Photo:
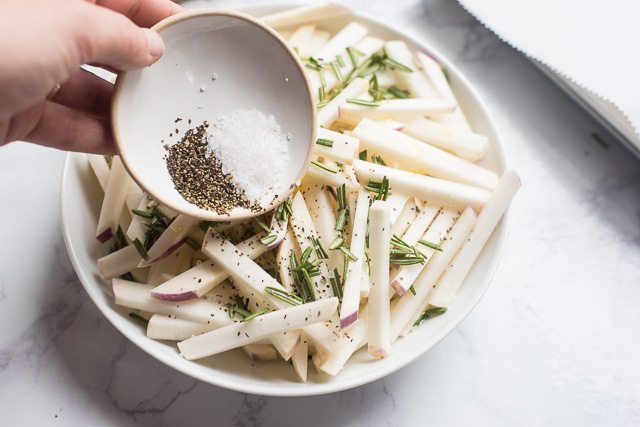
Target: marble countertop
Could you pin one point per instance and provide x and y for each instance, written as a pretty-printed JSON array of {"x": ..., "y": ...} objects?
[{"x": 553, "y": 342}]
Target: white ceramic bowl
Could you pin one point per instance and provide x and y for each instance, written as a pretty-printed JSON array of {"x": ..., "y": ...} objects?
[
  {"x": 253, "y": 67},
  {"x": 81, "y": 198}
]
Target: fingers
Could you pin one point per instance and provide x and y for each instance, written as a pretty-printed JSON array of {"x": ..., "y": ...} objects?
[
  {"x": 145, "y": 13},
  {"x": 86, "y": 92},
  {"x": 109, "y": 38},
  {"x": 66, "y": 129}
]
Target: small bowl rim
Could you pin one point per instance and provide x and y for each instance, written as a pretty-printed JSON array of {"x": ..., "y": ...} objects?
[{"x": 201, "y": 213}]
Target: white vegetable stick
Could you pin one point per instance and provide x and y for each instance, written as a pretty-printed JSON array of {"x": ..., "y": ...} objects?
[
  {"x": 302, "y": 36},
  {"x": 260, "y": 352},
  {"x": 277, "y": 228},
  {"x": 300, "y": 360},
  {"x": 365, "y": 285},
  {"x": 404, "y": 309},
  {"x": 304, "y": 230},
  {"x": 416, "y": 82},
  {"x": 403, "y": 110},
  {"x": 119, "y": 262},
  {"x": 407, "y": 274},
  {"x": 329, "y": 113},
  {"x": 318, "y": 201},
  {"x": 379, "y": 337},
  {"x": 316, "y": 175},
  {"x": 387, "y": 79},
  {"x": 451, "y": 281},
  {"x": 439, "y": 81},
  {"x": 287, "y": 246},
  {"x": 318, "y": 40},
  {"x": 164, "y": 327},
  {"x": 405, "y": 218},
  {"x": 113, "y": 202},
  {"x": 138, "y": 296},
  {"x": 367, "y": 46},
  {"x": 437, "y": 191},
  {"x": 140, "y": 274},
  {"x": 421, "y": 223},
  {"x": 134, "y": 196},
  {"x": 393, "y": 124},
  {"x": 466, "y": 145},
  {"x": 396, "y": 204},
  {"x": 170, "y": 239},
  {"x": 304, "y": 14},
  {"x": 137, "y": 228},
  {"x": 350, "y": 35},
  {"x": 333, "y": 362},
  {"x": 100, "y": 168},
  {"x": 415, "y": 156},
  {"x": 205, "y": 276},
  {"x": 247, "y": 274},
  {"x": 261, "y": 327},
  {"x": 343, "y": 150},
  {"x": 168, "y": 268},
  {"x": 353, "y": 278}
]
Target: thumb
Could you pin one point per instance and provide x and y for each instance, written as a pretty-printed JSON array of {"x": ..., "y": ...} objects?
[{"x": 111, "y": 39}]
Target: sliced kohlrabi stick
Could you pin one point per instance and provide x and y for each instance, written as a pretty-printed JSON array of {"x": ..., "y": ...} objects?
[
  {"x": 138, "y": 296},
  {"x": 301, "y": 37},
  {"x": 134, "y": 197},
  {"x": 304, "y": 231},
  {"x": 261, "y": 327},
  {"x": 169, "y": 267},
  {"x": 447, "y": 287},
  {"x": 248, "y": 275},
  {"x": 436, "y": 76},
  {"x": 415, "y": 82},
  {"x": 114, "y": 201},
  {"x": 407, "y": 274},
  {"x": 304, "y": 14},
  {"x": 415, "y": 156},
  {"x": 205, "y": 276},
  {"x": 119, "y": 262},
  {"x": 326, "y": 175},
  {"x": 300, "y": 360},
  {"x": 329, "y": 113},
  {"x": 405, "y": 218},
  {"x": 353, "y": 279},
  {"x": 100, "y": 169},
  {"x": 396, "y": 204},
  {"x": 333, "y": 362},
  {"x": 343, "y": 148},
  {"x": 260, "y": 352},
  {"x": 286, "y": 248},
  {"x": 324, "y": 220},
  {"x": 164, "y": 327},
  {"x": 379, "y": 337},
  {"x": 437, "y": 191},
  {"x": 348, "y": 36},
  {"x": 405, "y": 308},
  {"x": 137, "y": 228},
  {"x": 466, "y": 145},
  {"x": 402, "y": 110},
  {"x": 170, "y": 240}
]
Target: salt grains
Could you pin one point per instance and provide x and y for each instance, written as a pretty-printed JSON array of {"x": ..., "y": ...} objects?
[{"x": 253, "y": 149}]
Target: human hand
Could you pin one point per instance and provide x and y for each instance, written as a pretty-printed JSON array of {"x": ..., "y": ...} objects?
[{"x": 44, "y": 42}]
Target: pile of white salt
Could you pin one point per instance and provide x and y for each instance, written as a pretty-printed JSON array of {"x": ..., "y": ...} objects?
[{"x": 252, "y": 147}]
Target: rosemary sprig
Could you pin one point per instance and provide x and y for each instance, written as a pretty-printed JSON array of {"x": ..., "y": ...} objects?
[
  {"x": 431, "y": 245},
  {"x": 143, "y": 214},
  {"x": 324, "y": 142},
  {"x": 269, "y": 238},
  {"x": 320, "y": 252},
  {"x": 336, "y": 283},
  {"x": 341, "y": 222},
  {"x": 141, "y": 249},
  {"x": 340, "y": 61},
  {"x": 284, "y": 210},
  {"x": 283, "y": 295},
  {"x": 353, "y": 56},
  {"x": 363, "y": 155},
  {"x": 396, "y": 92},
  {"x": 378, "y": 160},
  {"x": 337, "y": 242},
  {"x": 323, "y": 167},
  {"x": 255, "y": 314},
  {"x": 321, "y": 96},
  {"x": 395, "y": 65},
  {"x": 348, "y": 253},
  {"x": 119, "y": 241},
  {"x": 342, "y": 196},
  {"x": 363, "y": 102},
  {"x": 429, "y": 313},
  {"x": 381, "y": 188}
]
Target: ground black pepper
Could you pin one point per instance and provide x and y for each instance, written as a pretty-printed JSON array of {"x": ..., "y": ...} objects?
[{"x": 198, "y": 175}]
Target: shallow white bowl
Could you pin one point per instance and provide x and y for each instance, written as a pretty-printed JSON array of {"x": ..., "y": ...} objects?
[
  {"x": 81, "y": 198},
  {"x": 253, "y": 67}
]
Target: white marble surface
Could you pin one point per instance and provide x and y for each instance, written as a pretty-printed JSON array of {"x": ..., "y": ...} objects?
[{"x": 554, "y": 342}]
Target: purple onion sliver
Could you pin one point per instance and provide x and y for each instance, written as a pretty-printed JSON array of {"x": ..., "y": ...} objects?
[{"x": 175, "y": 297}]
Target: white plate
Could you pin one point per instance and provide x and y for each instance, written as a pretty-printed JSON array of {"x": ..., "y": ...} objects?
[{"x": 81, "y": 199}]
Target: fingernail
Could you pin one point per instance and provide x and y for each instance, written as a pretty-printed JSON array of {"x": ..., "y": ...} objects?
[{"x": 155, "y": 42}]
